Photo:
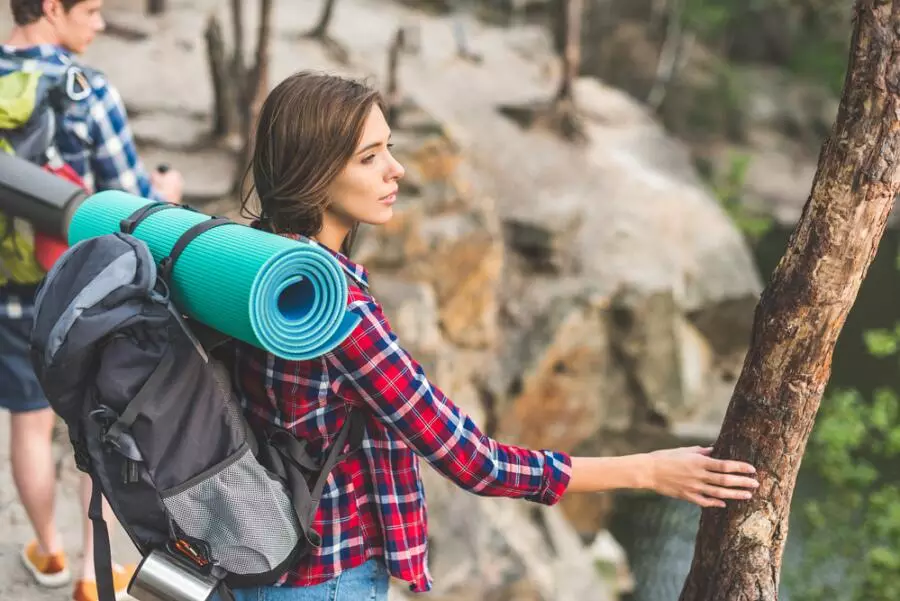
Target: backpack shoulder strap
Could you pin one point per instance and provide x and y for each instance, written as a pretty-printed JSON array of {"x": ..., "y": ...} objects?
[
  {"x": 102, "y": 550},
  {"x": 207, "y": 337},
  {"x": 291, "y": 460}
]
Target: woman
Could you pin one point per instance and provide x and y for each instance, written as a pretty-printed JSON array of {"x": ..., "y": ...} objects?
[{"x": 323, "y": 165}]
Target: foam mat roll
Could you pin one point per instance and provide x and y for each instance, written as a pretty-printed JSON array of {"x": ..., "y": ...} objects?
[{"x": 285, "y": 296}]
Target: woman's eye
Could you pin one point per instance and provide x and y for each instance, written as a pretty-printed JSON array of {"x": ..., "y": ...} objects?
[{"x": 368, "y": 159}]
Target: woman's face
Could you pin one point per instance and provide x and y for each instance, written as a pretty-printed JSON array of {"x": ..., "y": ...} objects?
[{"x": 365, "y": 191}]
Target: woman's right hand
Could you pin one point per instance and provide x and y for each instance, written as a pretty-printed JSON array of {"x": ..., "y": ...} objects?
[{"x": 689, "y": 473}]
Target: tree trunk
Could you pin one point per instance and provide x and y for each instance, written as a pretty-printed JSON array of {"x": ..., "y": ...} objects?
[
  {"x": 571, "y": 56},
  {"x": 669, "y": 54},
  {"x": 799, "y": 316},
  {"x": 225, "y": 115},
  {"x": 156, "y": 7},
  {"x": 321, "y": 28},
  {"x": 238, "y": 73},
  {"x": 392, "y": 92},
  {"x": 257, "y": 86},
  {"x": 558, "y": 24}
]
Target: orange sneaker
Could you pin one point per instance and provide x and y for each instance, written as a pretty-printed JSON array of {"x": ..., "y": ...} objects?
[
  {"x": 48, "y": 570},
  {"x": 86, "y": 590}
]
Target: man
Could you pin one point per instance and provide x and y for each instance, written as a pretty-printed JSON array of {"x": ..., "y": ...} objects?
[{"x": 95, "y": 141}]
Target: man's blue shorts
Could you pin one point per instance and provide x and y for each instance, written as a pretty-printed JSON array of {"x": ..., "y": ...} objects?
[{"x": 20, "y": 390}]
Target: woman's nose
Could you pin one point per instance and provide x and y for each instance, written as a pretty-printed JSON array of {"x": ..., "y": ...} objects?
[{"x": 397, "y": 171}]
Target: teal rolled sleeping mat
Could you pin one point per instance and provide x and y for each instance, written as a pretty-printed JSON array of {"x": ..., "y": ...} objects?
[{"x": 281, "y": 295}]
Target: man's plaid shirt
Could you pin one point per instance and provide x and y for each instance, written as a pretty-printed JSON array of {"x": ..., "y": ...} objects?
[
  {"x": 93, "y": 138},
  {"x": 374, "y": 502}
]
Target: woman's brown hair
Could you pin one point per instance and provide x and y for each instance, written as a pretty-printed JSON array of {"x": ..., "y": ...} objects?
[{"x": 308, "y": 129}]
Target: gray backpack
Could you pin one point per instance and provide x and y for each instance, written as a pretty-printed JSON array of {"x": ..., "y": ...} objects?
[{"x": 153, "y": 419}]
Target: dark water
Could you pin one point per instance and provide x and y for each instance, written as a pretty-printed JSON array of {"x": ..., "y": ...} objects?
[
  {"x": 876, "y": 306},
  {"x": 658, "y": 533}
]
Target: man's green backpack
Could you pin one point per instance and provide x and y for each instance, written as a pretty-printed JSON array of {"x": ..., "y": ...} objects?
[{"x": 31, "y": 104}]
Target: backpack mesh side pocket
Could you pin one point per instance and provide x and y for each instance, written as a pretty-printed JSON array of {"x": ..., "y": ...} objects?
[{"x": 244, "y": 515}]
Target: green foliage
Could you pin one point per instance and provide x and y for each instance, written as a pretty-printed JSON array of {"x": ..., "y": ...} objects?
[
  {"x": 728, "y": 188},
  {"x": 708, "y": 18},
  {"x": 711, "y": 106},
  {"x": 813, "y": 36},
  {"x": 852, "y": 551},
  {"x": 821, "y": 59},
  {"x": 821, "y": 50},
  {"x": 883, "y": 343}
]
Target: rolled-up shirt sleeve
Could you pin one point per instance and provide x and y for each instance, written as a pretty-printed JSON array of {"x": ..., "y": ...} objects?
[{"x": 372, "y": 369}]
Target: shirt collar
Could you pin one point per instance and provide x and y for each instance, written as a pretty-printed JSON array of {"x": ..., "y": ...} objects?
[
  {"x": 37, "y": 51},
  {"x": 357, "y": 272}
]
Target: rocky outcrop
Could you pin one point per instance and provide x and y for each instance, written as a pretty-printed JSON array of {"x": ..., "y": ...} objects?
[
  {"x": 605, "y": 297},
  {"x": 436, "y": 270},
  {"x": 622, "y": 312},
  {"x": 593, "y": 300},
  {"x": 557, "y": 346}
]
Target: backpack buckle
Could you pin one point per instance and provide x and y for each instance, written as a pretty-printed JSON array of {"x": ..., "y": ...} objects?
[
  {"x": 196, "y": 551},
  {"x": 103, "y": 416},
  {"x": 165, "y": 269}
]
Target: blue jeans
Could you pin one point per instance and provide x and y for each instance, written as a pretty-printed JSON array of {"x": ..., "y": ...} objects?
[{"x": 368, "y": 582}]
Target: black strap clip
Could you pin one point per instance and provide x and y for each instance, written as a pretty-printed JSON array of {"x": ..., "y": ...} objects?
[
  {"x": 130, "y": 223},
  {"x": 168, "y": 263}
]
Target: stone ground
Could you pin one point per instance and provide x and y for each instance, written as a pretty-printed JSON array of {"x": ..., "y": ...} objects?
[{"x": 15, "y": 583}]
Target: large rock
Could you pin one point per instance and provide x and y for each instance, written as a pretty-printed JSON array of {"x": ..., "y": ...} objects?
[
  {"x": 464, "y": 376},
  {"x": 564, "y": 393},
  {"x": 619, "y": 228},
  {"x": 465, "y": 274},
  {"x": 183, "y": 86},
  {"x": 447, "y": 239},
  {"x": 411, "y": 309},
  {"x": 609, "y": 365}
]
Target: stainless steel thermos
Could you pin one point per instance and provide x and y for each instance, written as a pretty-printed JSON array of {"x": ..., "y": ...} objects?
[{"x": 161, "y": 577}]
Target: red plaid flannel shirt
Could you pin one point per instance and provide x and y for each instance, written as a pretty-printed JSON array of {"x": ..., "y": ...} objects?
[{"x": 374, "y": 503}]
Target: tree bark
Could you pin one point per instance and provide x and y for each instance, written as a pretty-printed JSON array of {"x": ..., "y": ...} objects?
[
  {"x": 225, "y": 115},
  {"x": 237, "y": 59},
  {"x": 321, "y": 28},
  {"x": 800, "y": 315},
  {"x": 572, "y": 13},
  {"x": 669, "y": 54},
  {"x": 156, "y": 7},
  {"x": 558, "y": 25},
  {"x": 257, "y": 87},
  {"x": 392, "y": 92}
]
